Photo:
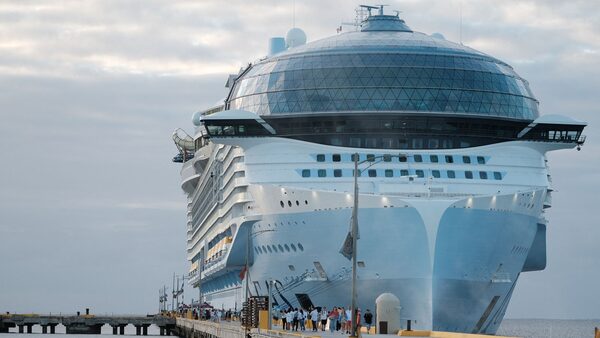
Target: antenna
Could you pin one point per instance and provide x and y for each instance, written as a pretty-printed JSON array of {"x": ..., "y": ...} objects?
[
  {"x": 460, "y": 25},
  {"x": 294, "y": 13},
  {"x": 369, "y": 8}
]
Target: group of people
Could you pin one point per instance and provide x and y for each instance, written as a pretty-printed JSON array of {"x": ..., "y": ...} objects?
[{"x": 339, "y": 319}]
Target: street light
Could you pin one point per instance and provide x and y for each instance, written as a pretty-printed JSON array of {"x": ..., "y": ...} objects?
[{"x": 354, "y": 232}]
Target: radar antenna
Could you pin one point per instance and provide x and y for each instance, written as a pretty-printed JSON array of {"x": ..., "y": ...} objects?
[
  {"x": 362, "y": 13},
  {"x": 369, "y": 8}
]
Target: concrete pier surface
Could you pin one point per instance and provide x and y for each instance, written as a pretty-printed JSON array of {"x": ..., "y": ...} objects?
[
  {"x": 85, "y": 324},
  {"x": 189, "y": 328}
]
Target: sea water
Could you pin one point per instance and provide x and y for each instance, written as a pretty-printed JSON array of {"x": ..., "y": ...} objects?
[{"x": 524, "y": 328}]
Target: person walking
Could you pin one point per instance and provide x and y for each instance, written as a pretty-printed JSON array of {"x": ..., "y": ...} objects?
[
  {"x": 368, "y": 320},
  {"x": 314, "y": 317},
  {"x": 333, "y": 318},
  {"x": 323, "y": 317},
  {"x": 302, "y": 319}
]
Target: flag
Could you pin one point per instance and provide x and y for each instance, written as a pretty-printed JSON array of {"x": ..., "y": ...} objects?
[
  {"x": 243, "y": 273},
  {"x": 347, "y": 248}
]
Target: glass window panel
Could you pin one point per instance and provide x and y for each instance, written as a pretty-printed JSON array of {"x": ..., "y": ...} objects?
[
  {"x": 322, "y": 173},
  {"x": 435, "y": 173},
  {"x": 389, "y": 173},
  {"x": 403, "y": 172},
  {"x": 306, "y": 173},
  {"x": 433, "y": 158},
  {"x": 483, "y": 175},
  {"x": 466, "y": 159},
  {"x": 480, "y": 160},
  {"x": 449, "y": 159},
  {"x": 451, "y": 174},
  {"x": 420, "y": 173},
  {"x": 418, "y": 158},
  {"x": 469, "y": 175},
  {"x": 337, "y": 173},
  {"x": 497, "y": 175},
  {"x": 372, "y": 173},
  {"x": 336, "y": 157},
  {"x": 320, "y": 157}
]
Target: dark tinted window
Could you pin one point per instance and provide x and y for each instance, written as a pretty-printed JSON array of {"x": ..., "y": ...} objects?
[
  {"x": 402, "y": 158},
  {"x": 433, "y": 158},
  {"x": 370, "y": 157},
  {"x": 337, "y": 172},
  {"x": 435, "y": 173},
  {"x": 387, "y": 158},
  {"x": 322, "y": 173},
  {"x": 469, "y": 174},
  {"x": 451, "y": 174},
  {"x": 466, "y": 159},
  {"x": 389, "y": 173},
  {"x": 418, "y": 158},
  {"x": 449, "y": 159},
  {"x": 355, "y": 157},
  {"x": 320, "y": 158},
  {"x": 483, "y": 175},
  {"x": 420, "y": 173},
  {"x": 480, "y": 159},
  {"x": 336, "y": 157},
  {"x": 372, "y": 173},
  {"x": 306, "y": 173},
  {"x": 403, "y": 172},
  {"x": 497, "y": 175}
]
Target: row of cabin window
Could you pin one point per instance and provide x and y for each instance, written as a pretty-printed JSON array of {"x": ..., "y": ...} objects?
[
  {"x": 401, "y": 158},
  {"x": 405, "y": 172}
]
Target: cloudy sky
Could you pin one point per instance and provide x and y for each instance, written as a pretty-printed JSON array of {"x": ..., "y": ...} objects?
[{"x": 91, "y": 214}]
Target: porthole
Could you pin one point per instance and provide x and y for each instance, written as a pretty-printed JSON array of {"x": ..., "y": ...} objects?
[
  {"x": 290, "y": 203},
  {"x": 300, "y": 247},
  {"x": 306, "y": 202},
  {"x": 293, "y": 247},
  {"x": 297, "y": 202},
  {"x": 281, "y": 203}
]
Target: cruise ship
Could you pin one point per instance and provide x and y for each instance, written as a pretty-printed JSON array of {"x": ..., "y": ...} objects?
[{"x": 453, "y": 178}]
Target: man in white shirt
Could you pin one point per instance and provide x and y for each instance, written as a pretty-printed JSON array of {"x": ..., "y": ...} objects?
[{"x": 314, "y": 317}]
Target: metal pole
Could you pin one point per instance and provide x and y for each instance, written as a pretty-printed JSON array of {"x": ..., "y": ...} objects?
[
  {"x": 270, "y": 326},
  {"x": 173, "y": 294},
  {"x": 247, "y": 276},
  {"x": 354, "y": 248}
]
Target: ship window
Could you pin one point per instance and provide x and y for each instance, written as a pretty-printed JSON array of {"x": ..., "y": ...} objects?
[
  {"x": 320, "y": 157},
  {"x": 355, "y": 142},
  {"x": 370, "y": 142},
  {"x": 269, "y": 248},
  {"x": 372, "y": 173},
  {"x": 336, "y": 158},
  {"x": 389, "y": 173},
  {"x": 387, "y": 158},
  {"x": 483, "y": 175},
  {"x": 290, "y": 203},
  {"x": 469, "y": 175},
  {"x": 420, "y": 173},
  {"x": 293, "y": 247},
  {"x": 337, "y": 173},
  {"x": 282, "y": 204},
  {"x": 497, "y": 175},
  {"x": 480, "y": 159},
  {"x": 451, "y": 174},
  {"x": 322, "y": 173},
  {"x": 370, "y": 157},
  {"x": 466, "y": 159},
  {"x": 280, "y": 247},
  {"x": 264, "y": 249},
  {"x": 435, "y": 173},
  {"x": 306, "y": 202},
  {"x": 256, "y": 250},
  {"x": 355, "y": 157},
  {"x": 297, "y": 203},
  {"x": 402, "y": 158},
  {"x": 306, "y": 173},
  {"x": 449, "y": 159},
  {"x": 404, "y": 172},
  {"x": 418, "y": 158},
  {"x": 300, "y": 247},
  {"x": 291, "y": 267},
  {"x": 287, "y": 248},
  {"x": 433, "y": 158}
]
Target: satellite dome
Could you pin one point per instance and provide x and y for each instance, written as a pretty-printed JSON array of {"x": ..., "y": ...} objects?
[{"x": 295, "y": 37}]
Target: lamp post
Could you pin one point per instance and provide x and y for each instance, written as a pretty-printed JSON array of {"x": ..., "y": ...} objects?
[{"x": 354, "y": 231}]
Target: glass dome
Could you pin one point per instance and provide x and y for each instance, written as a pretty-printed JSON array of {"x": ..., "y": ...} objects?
[{"x": 384, "y": 68}]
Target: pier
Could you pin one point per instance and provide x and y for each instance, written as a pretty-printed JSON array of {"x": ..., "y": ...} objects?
[
  {"x": 189, "y": 328},
  {"x": 85, "y": 324}
]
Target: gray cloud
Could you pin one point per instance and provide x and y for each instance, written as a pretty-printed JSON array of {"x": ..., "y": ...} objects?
[{"x": 90, "y": 208}]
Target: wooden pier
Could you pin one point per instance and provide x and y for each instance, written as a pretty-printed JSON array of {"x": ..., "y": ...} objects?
[{"x": 85, "y": 324}]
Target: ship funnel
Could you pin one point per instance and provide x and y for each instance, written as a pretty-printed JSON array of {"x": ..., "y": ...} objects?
[{"x": 276, "y": 45}]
